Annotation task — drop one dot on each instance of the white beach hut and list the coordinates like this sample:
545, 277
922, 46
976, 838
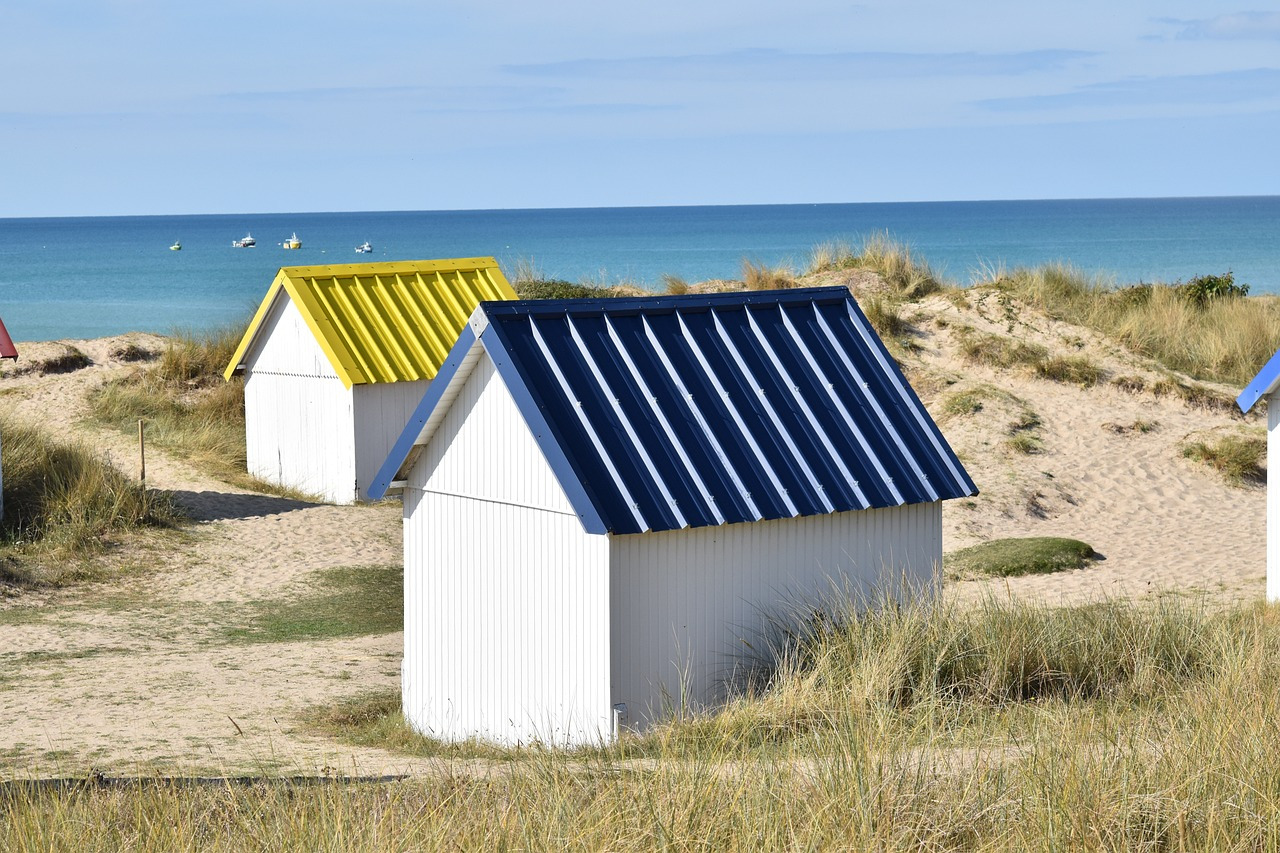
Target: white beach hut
336, 359
1266, 386
604, 498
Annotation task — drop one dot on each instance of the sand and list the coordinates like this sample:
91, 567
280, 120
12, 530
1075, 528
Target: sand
136, 676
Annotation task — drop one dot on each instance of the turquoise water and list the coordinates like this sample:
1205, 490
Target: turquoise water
88, 277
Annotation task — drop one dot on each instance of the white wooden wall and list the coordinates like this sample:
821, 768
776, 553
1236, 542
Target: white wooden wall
381, 412
506, 598
683, 602
1273, 497
299, 422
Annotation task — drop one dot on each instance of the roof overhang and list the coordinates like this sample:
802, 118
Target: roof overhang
1262, 385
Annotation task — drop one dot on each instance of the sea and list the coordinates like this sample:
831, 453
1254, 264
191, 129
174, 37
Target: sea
84, 277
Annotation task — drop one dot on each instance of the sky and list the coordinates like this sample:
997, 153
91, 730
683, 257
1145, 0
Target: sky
122, 107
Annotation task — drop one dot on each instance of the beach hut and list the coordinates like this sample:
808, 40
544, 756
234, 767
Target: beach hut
7, 350
1266, 386
336, 358
607, 501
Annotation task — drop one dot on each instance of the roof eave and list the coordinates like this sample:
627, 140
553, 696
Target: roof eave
1262, 385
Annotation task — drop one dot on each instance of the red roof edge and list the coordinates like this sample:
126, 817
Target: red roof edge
7, 349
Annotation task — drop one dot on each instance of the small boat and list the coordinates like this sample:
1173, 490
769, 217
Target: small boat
247, 243
365, 248
176, 247
293, 242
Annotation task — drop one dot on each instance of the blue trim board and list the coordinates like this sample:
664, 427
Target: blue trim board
421, 413
1267, 380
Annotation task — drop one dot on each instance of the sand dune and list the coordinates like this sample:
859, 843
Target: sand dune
131, 676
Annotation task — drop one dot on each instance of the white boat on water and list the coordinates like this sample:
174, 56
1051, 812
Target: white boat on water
176, 247
246, 243
364, 248
293, 242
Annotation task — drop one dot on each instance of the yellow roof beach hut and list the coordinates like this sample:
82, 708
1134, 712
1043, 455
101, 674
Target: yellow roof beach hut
337, 357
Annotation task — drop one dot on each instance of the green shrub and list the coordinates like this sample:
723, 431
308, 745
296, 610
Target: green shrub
555, 288
1204, 288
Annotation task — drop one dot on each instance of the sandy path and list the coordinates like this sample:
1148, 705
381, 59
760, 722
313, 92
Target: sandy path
133, 676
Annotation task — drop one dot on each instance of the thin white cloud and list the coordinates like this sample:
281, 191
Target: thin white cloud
1233, 26
1229, 87
785, 65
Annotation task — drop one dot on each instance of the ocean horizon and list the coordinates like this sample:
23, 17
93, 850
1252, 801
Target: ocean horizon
85, 277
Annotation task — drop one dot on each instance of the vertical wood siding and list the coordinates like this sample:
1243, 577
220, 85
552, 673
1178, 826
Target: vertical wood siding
381, 411
483, 449
299, 433
687, 606
1273, 497
286, 345
506, 597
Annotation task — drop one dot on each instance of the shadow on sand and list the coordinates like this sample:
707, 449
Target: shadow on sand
221, 506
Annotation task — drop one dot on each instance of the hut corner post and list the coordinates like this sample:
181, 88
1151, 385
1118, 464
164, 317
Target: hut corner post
1273, 496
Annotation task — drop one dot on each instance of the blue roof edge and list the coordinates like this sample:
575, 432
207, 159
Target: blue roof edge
422, 412
656, 302
540, 428
1267, 380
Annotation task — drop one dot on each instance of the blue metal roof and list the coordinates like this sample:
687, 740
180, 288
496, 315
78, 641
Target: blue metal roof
1267, 380
659, 413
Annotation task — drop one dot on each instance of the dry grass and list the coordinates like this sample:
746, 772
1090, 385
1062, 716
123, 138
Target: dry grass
62, 501
762, 277
1238, 456
907, 274
1226, 338
1000, 727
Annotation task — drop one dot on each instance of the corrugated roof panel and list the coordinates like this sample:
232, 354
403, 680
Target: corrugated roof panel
691, 411
384, 322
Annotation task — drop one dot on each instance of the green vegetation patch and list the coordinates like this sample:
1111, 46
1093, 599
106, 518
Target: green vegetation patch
349, 601
1070, 369
68, 360
998, 350
1239, 457
376, 719
62, 499
1036, 555
555, 288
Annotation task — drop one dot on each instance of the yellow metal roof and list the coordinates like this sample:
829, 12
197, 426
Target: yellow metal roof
383, 322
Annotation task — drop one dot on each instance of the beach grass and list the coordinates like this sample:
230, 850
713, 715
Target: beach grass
1113, 725
1205, 328
348, 601
1239, 457
64, 500
909, 275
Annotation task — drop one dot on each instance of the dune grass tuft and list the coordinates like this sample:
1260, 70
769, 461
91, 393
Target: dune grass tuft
61, 499
1238, 457
907, 274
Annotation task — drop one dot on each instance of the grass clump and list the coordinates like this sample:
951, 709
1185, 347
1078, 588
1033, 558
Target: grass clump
1036, 555
351, 601
762, 277
1070, 369
907, 274
67, 360
999, 351
1239, 457
62, 499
